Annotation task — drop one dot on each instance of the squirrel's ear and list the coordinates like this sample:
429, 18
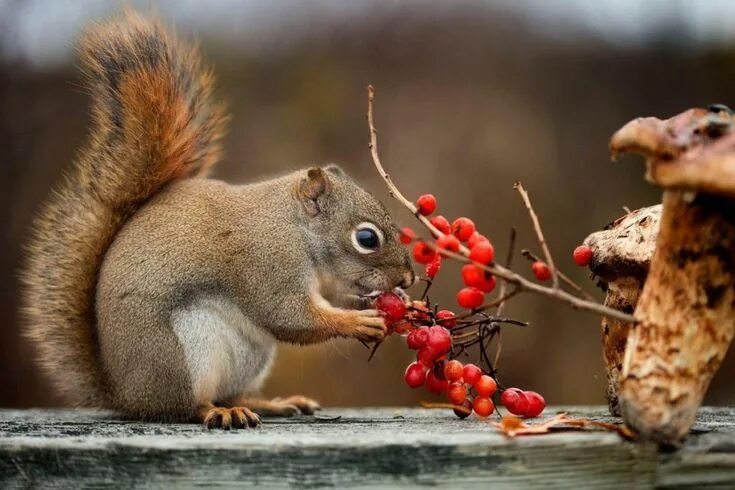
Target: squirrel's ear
335, 169
311, 188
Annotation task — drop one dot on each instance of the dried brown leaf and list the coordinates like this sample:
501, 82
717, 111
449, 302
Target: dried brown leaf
513, 426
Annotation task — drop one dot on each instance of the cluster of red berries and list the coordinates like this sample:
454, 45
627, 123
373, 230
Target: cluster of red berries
523, 403
464, 385
429, 333
477, 280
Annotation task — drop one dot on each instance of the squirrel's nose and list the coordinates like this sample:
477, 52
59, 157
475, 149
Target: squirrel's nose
409, 279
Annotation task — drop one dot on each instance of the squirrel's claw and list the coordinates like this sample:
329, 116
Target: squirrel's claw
228, 418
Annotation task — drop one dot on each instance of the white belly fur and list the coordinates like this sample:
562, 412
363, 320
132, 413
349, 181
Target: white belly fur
226, 354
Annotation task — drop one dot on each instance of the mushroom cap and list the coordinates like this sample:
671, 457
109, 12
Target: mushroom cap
692, 151
624, 248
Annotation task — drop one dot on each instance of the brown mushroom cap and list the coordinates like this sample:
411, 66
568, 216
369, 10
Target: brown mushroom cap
624, 247
692, 151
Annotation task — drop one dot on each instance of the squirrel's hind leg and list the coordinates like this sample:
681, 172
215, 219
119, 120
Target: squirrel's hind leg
278, 407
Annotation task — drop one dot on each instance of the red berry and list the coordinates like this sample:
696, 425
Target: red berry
471, 374
442, 224
582, 255
536, 404
440, 340
434, 384
515, 401
423, 253
463, 228
391, 306
426, 356
470, 297
432, 268
426, 204
476, 277
415, 375
448, 242
488, 282
406, 235
486, 385
416, 340
476, 238
482, 252
467, 404
446, 318
541, 271
483, 406
456, 393
453, 370
509, 397
471, 274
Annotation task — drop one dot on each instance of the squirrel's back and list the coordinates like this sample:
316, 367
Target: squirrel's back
153, 122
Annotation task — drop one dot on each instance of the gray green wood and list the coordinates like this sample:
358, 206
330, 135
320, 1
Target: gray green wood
350, 448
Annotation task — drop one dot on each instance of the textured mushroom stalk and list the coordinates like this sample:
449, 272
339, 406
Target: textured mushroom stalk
686, 310
622, 256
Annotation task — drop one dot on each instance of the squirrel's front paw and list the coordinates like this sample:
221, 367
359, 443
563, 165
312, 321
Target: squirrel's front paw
228, 418
367, 325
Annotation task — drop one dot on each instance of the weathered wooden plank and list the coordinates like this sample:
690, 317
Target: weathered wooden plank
363, 448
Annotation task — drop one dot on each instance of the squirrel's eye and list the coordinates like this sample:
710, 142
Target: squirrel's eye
367, 238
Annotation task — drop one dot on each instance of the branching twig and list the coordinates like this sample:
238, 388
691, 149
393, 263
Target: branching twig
539, 234
524, 284
564, 278
504, 273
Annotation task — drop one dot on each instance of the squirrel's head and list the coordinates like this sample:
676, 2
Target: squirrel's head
350, 234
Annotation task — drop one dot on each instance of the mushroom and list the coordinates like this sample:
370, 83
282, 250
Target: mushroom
686, 310
622, 256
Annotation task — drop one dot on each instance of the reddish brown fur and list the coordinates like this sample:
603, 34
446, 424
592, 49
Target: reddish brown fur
154, 122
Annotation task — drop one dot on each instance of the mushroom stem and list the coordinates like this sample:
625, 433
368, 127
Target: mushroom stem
686, 315
621, 295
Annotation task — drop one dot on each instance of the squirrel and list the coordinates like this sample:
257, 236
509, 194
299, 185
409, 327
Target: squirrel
161, 294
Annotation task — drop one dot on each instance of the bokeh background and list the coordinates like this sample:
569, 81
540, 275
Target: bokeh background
471, 97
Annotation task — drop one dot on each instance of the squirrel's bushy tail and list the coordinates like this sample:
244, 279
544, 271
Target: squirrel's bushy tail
153, 121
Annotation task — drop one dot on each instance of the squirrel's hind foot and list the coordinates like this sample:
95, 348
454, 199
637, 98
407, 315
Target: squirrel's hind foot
228, 418
305, 405
280, 407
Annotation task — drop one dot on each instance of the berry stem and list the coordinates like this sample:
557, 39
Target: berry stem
503, 287
564, 278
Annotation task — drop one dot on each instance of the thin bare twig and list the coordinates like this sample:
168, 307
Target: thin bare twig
504, 273
503, 287
523, 284
539, 234
508, 265
564, 278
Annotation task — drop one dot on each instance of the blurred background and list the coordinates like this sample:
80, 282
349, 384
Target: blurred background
472, 96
